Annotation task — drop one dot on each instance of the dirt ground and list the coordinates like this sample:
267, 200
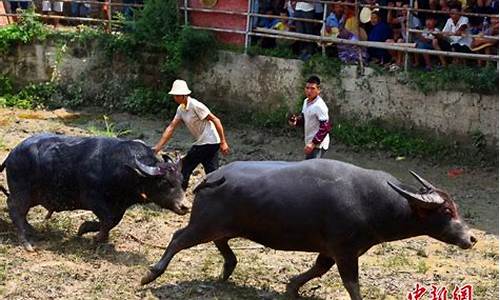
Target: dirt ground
65, 266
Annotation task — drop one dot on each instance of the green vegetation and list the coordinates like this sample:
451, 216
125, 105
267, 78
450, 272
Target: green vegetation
401, 142
25, 31
482, 80
109, 129
279, 51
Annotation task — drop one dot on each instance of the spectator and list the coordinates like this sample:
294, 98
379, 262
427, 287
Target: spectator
479, 24
290, 8
14, 5
455, 35
350, 54
80, 10
485, 44
399, 23
53, 8
425, 39
380, 32
305, 10
336, 19
318, 15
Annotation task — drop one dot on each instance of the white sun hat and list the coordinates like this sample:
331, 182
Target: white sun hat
180, 87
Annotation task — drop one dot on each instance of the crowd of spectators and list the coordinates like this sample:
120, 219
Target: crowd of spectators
447, 31
70, 9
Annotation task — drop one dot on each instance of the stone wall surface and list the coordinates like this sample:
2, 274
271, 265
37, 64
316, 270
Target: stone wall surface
264, 83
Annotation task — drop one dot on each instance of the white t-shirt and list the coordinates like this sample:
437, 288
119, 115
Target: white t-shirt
304, 6
314, 113
194, 115
452, 27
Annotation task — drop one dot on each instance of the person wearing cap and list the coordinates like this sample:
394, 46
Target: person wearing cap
203, 125
314, 118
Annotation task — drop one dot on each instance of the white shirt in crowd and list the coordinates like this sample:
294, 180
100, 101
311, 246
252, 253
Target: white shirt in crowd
315, 112
304, 6
450, 26
194, 115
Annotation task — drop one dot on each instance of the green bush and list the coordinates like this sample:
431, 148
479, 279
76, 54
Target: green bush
158, 21
374, 135
143, 101
26, 30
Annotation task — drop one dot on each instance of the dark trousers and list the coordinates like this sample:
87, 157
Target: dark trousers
207, 155
317, 153
305, 27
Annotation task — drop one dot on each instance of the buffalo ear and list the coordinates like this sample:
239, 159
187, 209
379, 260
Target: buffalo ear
428, 199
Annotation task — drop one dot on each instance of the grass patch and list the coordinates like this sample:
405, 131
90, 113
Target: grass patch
483, 80
108, 130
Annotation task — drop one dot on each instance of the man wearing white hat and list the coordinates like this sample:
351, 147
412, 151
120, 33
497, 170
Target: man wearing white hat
203, 125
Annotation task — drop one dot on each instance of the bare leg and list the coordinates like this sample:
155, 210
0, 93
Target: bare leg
182, 239
230, 260
321, 266
348, 269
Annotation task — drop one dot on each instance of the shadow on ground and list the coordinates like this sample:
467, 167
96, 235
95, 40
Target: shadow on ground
207, 289
63, 243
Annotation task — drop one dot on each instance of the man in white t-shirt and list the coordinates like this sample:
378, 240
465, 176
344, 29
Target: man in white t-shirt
314, 118
204, 126
455, 35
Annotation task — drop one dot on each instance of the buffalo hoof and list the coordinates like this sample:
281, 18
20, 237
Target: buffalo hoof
149, 277
27, 246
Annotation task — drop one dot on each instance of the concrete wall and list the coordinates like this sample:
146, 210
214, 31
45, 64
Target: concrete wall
268, 82
264, 83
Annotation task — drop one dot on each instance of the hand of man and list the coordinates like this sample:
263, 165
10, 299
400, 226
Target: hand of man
309, 148
155, 149
292, 121
224, 148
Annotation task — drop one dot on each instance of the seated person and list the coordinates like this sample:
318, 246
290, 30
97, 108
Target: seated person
380, 32
424, 39
484, 44
336, 20
455, 35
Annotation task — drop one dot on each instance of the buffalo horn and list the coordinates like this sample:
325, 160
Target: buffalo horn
427, 200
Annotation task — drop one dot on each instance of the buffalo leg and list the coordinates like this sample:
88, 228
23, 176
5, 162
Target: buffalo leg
348, 269
88, 226
182, 239
18, 209
321, 266
107, 220
229, 258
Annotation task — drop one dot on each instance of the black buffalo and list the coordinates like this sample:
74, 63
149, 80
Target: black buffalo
333, 208
104, 175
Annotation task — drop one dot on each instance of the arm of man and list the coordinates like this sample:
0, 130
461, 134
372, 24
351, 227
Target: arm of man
167, 134
224, 147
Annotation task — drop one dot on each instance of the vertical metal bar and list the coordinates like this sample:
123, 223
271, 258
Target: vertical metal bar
109, 15
356, 16
407, 38
323, 48
186, 12
249, 26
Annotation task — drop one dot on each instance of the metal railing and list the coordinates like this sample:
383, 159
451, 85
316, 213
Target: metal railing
249, 31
